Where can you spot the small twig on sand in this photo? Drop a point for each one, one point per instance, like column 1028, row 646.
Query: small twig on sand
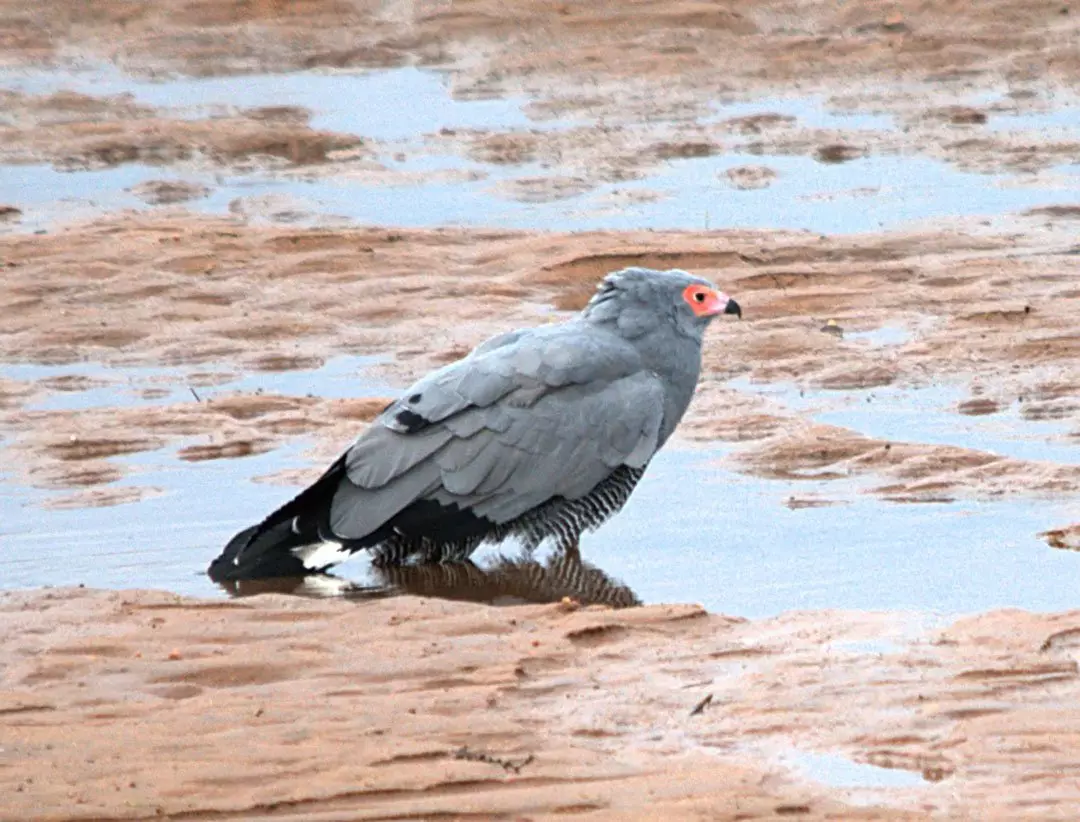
column 196, row 396
column 701, row 706
column 505, row 764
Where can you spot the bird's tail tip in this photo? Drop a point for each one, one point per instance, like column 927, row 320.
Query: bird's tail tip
column 258, row 553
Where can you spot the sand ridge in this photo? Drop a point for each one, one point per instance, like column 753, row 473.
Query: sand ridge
column 416, row 708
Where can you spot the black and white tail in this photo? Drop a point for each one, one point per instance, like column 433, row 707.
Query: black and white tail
column 286, row 543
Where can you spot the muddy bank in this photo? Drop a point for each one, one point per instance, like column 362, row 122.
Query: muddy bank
column 414, row 708
column 80, row 132
column 728, row 45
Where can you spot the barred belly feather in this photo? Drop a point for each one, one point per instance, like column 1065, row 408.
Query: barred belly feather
column 560, row 520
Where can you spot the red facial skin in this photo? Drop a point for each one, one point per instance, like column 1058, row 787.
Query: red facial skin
column 705, row 302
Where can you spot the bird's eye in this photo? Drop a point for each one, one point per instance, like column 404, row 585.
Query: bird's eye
column 699, row 296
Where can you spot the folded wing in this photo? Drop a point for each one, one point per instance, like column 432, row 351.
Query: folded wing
column 525, row 419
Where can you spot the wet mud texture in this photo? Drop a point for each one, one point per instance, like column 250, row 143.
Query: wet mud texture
column 990, row 311
column 136, row 705
column 140, row 705
column 631, row 82
column 728, row 44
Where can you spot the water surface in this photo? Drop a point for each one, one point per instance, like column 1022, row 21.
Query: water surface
column 397, row 108
column 724, row 539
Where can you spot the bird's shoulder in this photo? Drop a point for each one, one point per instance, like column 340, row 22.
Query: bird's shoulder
column 554, row 341
column 519, row 367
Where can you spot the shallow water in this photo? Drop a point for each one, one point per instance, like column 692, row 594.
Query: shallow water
column 838, row 771
column 731, row 544
column 1055, row 120
column 812, row 112
column 928, row 415
column 337, row 378
column 162, row 542
column 887, row 335
column 368, row 104
column 861, row 195
column 727, row 540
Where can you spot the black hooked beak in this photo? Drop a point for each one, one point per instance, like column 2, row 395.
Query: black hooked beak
column 733, row 307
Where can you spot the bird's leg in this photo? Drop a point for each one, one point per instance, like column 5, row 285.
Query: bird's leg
column 571, row 550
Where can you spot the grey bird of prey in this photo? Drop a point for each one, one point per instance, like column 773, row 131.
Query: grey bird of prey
column 538, row 434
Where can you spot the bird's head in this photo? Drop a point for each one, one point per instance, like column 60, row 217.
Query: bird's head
column 639, row 299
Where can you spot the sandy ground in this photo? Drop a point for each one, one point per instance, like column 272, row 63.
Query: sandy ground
column 141, row 705
column 415, row 708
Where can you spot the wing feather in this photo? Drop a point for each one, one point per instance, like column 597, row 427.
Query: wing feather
column 381, row 455
column 544, row 414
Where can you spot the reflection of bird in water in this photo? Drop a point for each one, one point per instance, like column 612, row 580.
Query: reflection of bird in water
column 312, row 585
column 509, row 581
column 539, row 435
column 504, row 581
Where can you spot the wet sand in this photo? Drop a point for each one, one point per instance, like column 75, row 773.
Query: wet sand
column 222, row 295
column 147, row 705
column 422, row 709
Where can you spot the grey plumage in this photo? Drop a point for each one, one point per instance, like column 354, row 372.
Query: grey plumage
column 537, row 434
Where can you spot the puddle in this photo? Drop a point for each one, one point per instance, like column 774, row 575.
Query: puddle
column 867, row 646
column 810, row 112
column 862, row 195
column 47, row 196
column 840, row 772
column 758, row 557
column 736, row 549
column 927, row 415
column 859, row 196
column 368, row 104
column 886, row 336
column 162, row 542
column 1061, row 119
column 339, row 378
column 732, row 544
